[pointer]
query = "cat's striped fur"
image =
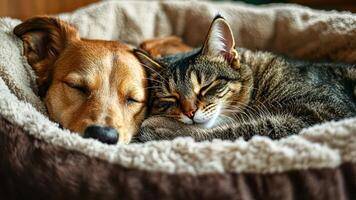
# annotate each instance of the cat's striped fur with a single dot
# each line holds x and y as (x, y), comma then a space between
(244, 93)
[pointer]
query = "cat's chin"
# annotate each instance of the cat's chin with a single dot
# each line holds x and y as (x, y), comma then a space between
(207, 124)
(213, 122)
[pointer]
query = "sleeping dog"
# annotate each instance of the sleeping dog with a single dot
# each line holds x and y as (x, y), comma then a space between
(93, 87)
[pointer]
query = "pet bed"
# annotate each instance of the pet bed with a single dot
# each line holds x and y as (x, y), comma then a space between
(39, 160)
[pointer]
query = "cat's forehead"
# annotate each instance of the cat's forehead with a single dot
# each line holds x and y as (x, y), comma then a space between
(179, 70)
(181, 73)
(203, 67)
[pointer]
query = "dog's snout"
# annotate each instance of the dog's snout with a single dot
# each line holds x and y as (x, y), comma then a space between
(103, 134)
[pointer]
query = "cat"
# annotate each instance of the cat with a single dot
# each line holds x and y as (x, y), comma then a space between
(219, 92)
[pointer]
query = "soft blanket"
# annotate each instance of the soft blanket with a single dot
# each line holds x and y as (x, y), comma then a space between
(39, 160)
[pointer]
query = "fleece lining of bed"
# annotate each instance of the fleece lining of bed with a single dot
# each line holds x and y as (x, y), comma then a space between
(289, 29)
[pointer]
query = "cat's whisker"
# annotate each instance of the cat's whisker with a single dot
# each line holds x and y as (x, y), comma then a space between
(155, 80)
(228, 119)
(235, 119)
(256, 110)
(241, 106)
(239, 111)
(155, 71)
(153, 87)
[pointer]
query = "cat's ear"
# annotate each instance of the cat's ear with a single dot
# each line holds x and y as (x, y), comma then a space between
(220, 42)
(149, 63)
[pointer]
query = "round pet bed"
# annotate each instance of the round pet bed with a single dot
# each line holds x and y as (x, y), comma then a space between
(39, 160)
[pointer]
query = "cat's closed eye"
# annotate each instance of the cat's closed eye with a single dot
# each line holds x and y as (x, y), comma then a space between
(161, 106)
(213, 88)
(169, 99)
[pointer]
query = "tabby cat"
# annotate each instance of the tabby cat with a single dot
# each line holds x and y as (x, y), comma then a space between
(218, 91)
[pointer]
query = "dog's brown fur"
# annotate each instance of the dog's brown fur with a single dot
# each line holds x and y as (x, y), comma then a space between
(163, 46)
(85, 82)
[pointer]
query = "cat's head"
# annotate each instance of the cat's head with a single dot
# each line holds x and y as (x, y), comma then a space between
(203, 86)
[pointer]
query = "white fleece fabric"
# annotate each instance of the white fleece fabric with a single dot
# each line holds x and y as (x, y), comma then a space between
(293, 30)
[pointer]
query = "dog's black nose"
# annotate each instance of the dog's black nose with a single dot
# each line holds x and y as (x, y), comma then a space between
(103, 134)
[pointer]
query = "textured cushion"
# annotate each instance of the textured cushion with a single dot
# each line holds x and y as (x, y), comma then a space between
(288, 29)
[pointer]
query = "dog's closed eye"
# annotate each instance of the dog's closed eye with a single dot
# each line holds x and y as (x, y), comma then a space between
(80, 88)
(131, 100)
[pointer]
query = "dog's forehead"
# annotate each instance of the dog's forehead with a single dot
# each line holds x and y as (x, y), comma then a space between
(103, 62)
(99, 57)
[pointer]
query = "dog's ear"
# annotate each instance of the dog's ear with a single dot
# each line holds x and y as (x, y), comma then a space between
(44, 38)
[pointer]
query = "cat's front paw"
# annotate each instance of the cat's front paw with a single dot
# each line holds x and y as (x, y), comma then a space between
(159, 128)
(156, 133)
(145, 134)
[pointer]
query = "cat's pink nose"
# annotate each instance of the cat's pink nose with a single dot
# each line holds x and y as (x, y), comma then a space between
(188, 107)
(190, 113)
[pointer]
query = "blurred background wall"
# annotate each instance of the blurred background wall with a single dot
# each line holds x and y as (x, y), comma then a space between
(24, 9)
(348, 5)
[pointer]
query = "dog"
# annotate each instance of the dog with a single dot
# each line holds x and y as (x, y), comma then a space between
(95, 88)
